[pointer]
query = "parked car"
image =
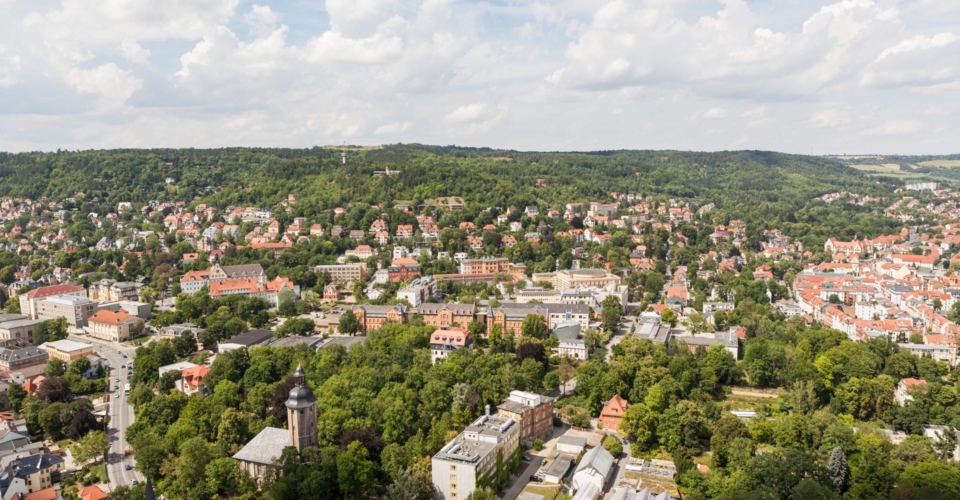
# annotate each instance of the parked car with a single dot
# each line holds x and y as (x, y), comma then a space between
(536, 479)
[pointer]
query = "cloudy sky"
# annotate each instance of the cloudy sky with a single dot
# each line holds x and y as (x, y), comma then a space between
(804, 76)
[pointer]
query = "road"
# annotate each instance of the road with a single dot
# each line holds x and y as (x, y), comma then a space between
(121, 413)
(626, 325)
(519, 481)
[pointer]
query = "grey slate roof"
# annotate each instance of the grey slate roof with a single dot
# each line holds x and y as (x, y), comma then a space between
(631, 494)
(265, 447)
(25, 466)
(598, 459)
(243, 271)
(250, 338)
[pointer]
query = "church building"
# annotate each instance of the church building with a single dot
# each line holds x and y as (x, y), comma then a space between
(265, 449)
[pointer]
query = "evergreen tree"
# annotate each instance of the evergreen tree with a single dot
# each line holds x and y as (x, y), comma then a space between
(838, 470)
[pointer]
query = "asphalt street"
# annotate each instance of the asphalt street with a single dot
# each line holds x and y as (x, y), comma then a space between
(121, 413)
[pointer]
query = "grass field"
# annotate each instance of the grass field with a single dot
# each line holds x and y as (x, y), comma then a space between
(893, 170)
(886, 167)
(748, 402)
(546, 491)
(940, 163)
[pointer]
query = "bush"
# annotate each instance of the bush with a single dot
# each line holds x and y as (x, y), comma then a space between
(613, 445)
(537, 444)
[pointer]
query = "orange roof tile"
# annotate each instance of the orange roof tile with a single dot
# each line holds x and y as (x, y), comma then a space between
(109, 317)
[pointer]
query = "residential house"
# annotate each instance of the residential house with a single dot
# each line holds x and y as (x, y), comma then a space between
(612, 413)
(592, 473)
(40, 471)
(443, 342)
(905, 389)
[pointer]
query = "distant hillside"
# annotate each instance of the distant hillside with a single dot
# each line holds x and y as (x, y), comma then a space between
(767, 186)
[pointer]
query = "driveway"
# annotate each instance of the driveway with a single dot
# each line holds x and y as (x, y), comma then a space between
(517, 483)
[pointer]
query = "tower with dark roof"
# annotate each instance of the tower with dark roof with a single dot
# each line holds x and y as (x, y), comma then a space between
(302, 413)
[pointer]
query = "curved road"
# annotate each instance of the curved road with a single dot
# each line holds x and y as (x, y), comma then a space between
(121, 413)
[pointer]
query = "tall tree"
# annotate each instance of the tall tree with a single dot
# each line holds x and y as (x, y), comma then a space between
(837, 468)
(349, 324)
(534, 326)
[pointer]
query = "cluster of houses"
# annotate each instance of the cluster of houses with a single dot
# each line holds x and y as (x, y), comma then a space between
(31, 468)
(881, 288)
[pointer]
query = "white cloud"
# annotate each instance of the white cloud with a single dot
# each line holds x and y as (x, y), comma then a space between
(332, 46)
(711, 114)
(469, 113)
(831, 118)
(9, 67)
(918, 61)
(261, 19)
(393, 128)
(133, 52)
(113, 84)
(359, 18)
(730, 52)
(97, 22)
(842, 75)
(896, 127)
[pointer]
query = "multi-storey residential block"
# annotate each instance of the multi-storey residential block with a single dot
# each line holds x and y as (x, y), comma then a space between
(470, 461)
(76, 310)
(347, 273)
(533, 411)
(29, 302)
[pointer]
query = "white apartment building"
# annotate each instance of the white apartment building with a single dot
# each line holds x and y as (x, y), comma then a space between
(76, 310)
(472, 456)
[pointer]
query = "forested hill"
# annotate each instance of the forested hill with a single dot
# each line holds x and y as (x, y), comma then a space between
(764, 185)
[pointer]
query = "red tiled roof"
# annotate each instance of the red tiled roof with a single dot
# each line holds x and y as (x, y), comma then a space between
(194, 375)
(109, 317)
(48, 291)
(457, 337)
(45, 494)
(615, 407)
(92, 492)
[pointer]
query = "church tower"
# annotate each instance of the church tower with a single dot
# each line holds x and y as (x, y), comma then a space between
(302, 413)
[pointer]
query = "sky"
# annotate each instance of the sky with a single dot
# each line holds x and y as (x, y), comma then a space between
(799, 76)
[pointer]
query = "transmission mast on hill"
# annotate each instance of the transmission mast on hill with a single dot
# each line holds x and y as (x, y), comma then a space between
(343, 154)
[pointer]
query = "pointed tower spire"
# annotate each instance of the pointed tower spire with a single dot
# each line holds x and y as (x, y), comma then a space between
(300, 376)
(150, 495)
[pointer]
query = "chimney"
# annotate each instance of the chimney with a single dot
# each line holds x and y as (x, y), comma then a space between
(488, 410)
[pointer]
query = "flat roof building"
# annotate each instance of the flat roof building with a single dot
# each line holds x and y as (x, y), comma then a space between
(67, 350)
(471, 458)
(246, 339)
(76, 310)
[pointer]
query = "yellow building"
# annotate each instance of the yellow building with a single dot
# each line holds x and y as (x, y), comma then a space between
(67, 350)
